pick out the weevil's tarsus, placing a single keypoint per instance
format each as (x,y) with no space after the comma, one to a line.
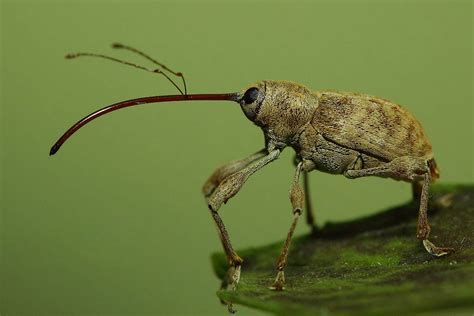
(234,277)
(139,52)
(228,285)
(279,284)
(229,305)
(436,251)
(158,71)
(139,101)
(230,308)
(297,202)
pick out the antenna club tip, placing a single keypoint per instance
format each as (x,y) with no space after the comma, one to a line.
(117,45)
(54,149)
(71,56)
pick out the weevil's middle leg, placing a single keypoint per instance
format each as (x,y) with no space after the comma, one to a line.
(297,198)
(310,219)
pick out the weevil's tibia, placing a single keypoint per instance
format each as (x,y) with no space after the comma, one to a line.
(233,258)
(297,198)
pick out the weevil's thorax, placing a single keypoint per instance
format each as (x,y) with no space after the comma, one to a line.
(282,110)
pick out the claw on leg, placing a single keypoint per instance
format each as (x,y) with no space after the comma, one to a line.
(278,285)
(230,306)
(436,251)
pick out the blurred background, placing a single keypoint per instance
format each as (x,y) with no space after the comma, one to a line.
(115,223)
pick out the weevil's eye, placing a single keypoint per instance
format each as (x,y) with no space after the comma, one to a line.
(251,102)
(250,96)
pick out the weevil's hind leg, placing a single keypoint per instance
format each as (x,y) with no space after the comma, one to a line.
(409,169)
(310,219)
(297,200)
(423,229)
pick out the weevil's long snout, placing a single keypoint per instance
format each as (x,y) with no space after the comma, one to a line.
(236,96)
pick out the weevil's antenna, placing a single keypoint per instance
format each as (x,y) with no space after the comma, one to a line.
(176,73)
(75,55)
(236,96)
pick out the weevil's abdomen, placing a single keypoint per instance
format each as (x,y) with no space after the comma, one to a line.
(370,125)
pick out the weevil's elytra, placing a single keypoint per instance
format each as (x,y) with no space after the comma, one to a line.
(351,134)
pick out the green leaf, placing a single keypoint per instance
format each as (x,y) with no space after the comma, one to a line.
(370,266)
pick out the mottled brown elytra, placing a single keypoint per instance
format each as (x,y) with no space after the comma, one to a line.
(346,133)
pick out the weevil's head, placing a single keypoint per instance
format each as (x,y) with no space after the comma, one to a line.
(281,106)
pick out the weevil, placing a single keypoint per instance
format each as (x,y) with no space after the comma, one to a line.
(351,134)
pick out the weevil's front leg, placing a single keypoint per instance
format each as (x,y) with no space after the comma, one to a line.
(409,169)
(297,201)
(226,170)
(227,188)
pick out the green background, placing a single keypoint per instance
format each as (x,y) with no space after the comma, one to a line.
(115,222)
